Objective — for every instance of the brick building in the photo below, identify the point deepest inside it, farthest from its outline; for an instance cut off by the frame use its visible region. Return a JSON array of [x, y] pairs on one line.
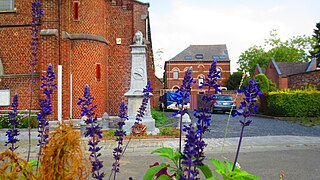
[[200, 58], [290, 74], [90, 39]]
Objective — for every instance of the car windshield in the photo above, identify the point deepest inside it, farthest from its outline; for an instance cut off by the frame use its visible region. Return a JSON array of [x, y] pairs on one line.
[[224, 98]]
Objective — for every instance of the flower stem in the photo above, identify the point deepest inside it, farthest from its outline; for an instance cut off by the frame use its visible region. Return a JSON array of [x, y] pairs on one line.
[[229, 117], [238, 150], [180, 139]]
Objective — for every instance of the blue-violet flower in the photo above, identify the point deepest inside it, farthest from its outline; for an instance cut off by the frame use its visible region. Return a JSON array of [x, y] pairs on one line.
[[93, 131], [248, 106], [48, 87], [13, 121], [203, 114], [37, 12], [119, 133], [193, 153], [137, 127]]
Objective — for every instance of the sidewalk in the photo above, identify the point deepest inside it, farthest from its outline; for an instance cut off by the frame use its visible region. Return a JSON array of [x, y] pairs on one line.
[[215, 145], [265, 156]]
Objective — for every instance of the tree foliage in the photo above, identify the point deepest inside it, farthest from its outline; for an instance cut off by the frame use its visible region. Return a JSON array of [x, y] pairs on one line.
[[234, 81], [296, 49], [315, 52]]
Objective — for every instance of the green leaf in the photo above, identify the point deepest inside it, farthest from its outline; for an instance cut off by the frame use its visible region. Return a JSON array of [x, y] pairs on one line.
[[164, 177], [219, 165], [206, 171], [213, 178], [229, 165], [151, 172], [168, 153], [33, 163]]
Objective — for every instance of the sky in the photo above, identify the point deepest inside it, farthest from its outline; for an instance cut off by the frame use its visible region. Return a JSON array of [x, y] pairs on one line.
[[240, 24]]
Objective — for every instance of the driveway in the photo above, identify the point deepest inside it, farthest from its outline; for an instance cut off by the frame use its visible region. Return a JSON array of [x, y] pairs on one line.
[[260, 126]]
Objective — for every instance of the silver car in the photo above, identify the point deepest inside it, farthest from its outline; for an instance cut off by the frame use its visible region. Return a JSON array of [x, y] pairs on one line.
[[224, 103]]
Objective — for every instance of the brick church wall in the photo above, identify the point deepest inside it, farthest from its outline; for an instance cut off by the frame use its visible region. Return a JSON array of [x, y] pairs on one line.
[[78, 57]]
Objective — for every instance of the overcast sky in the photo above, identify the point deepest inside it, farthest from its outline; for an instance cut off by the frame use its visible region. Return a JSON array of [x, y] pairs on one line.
[[240, 24]]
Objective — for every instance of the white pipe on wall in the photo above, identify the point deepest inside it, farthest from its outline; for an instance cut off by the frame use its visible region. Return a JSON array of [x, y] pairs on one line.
[[70, 96], [60, 93]]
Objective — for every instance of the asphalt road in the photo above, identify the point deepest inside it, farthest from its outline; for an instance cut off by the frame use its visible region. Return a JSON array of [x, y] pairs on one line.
[[260, 126]]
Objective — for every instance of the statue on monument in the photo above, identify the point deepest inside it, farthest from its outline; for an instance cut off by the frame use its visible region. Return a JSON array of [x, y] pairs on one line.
[[138, 38]]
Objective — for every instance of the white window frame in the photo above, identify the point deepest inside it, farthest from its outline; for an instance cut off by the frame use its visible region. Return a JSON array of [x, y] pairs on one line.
[[11, 4], [200, 79], [175, 73]]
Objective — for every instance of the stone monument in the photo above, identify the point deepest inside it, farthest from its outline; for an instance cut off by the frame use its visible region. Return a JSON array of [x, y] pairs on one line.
[[138, 82]]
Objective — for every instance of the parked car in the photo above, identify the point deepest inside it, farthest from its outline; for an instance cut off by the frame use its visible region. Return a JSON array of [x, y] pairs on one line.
[[223, 103]]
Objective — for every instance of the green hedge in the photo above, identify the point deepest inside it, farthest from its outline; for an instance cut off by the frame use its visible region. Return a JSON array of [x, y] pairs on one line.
[[294, 103]]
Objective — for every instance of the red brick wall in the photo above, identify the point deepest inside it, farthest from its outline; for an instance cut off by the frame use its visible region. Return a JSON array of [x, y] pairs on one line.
[[21, 85], [272, 74], [21, 16], [198, 68], [78, 57], [301, 80]]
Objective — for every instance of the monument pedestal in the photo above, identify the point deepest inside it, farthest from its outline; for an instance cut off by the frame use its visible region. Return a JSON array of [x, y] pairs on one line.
[[138, 82]]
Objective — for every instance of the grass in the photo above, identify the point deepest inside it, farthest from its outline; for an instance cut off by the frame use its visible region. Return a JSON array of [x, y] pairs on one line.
[[160, 118], [306, 121]]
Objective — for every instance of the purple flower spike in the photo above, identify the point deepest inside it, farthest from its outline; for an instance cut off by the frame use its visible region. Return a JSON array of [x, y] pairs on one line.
[[212, 79], [37, 13], [93, 131], [48, 87], [136, 128], [184, 92], [193, 155], [117, 152], [248, 106], [13, 132], [203, 115]]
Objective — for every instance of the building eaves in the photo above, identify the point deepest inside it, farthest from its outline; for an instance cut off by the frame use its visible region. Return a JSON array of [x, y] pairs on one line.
[[276, 66], [314, 60], [148, 4]]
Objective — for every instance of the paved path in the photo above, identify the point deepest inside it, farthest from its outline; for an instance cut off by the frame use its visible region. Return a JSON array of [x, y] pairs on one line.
[[260, 126], [264, 156]]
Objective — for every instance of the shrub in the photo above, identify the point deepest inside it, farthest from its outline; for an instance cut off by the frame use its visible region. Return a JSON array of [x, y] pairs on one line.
[[294, 103], [23, 122], [263, 82], [109, 134], [169, 131]]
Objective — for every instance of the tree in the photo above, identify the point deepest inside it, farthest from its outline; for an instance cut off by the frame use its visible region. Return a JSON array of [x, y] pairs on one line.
[[296, 49], [251, 57], [315, 52], [234, 81]]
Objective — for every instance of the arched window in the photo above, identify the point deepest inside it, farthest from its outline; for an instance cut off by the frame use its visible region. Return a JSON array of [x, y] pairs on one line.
[[175, 73], [219, 70], [200, 79], [175, 88]]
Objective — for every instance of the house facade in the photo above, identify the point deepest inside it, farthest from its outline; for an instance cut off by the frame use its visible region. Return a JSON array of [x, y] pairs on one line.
[[199, 57], [290, 74], [89, 39]]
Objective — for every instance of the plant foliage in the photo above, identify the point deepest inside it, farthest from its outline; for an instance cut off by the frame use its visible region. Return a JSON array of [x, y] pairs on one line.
[[294, 103], [63, 156]]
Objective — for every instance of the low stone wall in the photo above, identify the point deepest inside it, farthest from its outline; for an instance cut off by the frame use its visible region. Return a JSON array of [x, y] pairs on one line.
[[297, 81]]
